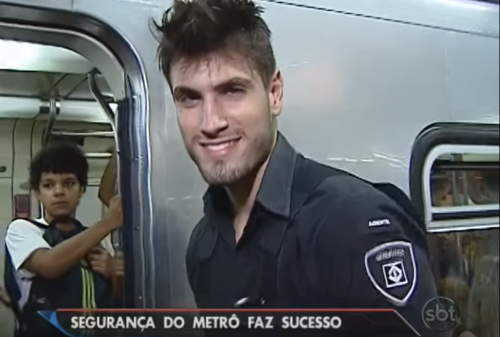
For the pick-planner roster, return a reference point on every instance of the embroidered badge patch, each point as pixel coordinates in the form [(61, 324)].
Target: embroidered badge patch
[(392, 269)]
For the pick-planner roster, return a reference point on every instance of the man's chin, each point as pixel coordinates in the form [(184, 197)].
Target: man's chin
[(217, 180), (220, 175)]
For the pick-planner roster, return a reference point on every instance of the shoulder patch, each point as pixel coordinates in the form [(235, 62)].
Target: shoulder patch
[(392, 269)]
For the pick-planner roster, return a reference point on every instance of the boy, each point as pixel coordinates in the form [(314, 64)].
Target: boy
[(58, 175)]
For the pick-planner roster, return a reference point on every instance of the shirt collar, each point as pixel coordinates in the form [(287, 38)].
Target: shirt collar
[(275, 190)]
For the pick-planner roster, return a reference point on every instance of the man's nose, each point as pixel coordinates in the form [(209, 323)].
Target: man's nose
[(214, 120)]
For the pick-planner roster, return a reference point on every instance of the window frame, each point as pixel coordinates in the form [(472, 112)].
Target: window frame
[(447, 138)]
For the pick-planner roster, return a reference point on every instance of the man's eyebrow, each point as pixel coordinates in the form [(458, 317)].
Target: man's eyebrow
[(232, 81), (183, 89)]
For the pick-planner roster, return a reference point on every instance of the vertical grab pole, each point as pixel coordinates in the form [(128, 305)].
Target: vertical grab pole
[(117, 235), (51, 108)]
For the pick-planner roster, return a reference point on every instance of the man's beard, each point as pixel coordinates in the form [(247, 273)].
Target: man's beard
[(219, 173)]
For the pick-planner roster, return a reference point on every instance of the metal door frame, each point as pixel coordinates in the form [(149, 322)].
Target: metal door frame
[(35, 24)]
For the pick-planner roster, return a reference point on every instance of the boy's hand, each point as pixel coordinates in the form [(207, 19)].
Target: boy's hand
[(101, 262)]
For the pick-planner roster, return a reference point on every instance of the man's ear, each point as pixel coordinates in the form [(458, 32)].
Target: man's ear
[(276, 93)]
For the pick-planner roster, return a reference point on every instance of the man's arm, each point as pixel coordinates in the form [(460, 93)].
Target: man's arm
[(363, 247), (118, 276), (108, 180), (50, 263)]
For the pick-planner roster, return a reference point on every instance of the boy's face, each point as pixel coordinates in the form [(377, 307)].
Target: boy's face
[(59, 193)]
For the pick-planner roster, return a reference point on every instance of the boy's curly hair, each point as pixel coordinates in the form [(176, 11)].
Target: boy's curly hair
[(59, 158)]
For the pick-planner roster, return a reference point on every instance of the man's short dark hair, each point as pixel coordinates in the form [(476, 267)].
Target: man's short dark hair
[(59, 158), (190, 29)]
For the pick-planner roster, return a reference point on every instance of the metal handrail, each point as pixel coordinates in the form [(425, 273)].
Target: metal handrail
[(100, 98), (117, 235), (53, 111), (106, 134), (97, 155)]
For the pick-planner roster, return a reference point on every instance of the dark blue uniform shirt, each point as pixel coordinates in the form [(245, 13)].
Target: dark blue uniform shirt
[(311, 242)]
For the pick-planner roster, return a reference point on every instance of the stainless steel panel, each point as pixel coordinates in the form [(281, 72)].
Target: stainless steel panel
[(470, 16), (357, 92), (356, 98), (473, 77)]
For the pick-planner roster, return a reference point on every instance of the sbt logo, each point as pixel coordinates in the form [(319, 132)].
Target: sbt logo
[(441, 314)]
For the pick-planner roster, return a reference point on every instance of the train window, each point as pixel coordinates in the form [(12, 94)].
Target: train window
[(462, 187), (465, 266), (459, 196), (464, 195)]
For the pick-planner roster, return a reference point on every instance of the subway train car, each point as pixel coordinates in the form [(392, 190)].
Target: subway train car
[(391, 90)]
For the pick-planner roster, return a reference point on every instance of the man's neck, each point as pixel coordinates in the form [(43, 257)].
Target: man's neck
[(244, 192)]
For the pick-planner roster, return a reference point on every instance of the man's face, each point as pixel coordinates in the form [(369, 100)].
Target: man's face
[(59, 193), (226, 114)]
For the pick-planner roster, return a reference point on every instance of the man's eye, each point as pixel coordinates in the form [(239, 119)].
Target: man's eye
[(187, 98), (234, 90)]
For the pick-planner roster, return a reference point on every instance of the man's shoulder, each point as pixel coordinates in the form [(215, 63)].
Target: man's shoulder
[(339, 185), (345, 203)]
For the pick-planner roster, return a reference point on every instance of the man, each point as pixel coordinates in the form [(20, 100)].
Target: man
[(279, 230), (58, 175)]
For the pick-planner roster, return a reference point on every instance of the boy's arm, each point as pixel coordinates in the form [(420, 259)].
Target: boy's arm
[(50, 263)]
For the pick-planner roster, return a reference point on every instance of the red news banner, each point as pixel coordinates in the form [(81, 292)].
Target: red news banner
[(231, 322)]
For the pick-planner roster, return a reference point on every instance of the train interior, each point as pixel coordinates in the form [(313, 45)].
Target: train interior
[(48, 94)]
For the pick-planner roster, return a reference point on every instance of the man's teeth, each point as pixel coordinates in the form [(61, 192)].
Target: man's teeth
[(221, 146)]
